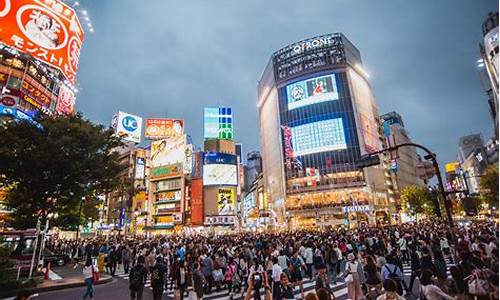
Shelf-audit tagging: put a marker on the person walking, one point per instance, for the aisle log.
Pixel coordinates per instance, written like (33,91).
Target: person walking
(198,281)
(126,258)
(158,278)
(276,277)
(428,291)
(88,275)
(181,280)
(137,279)
(352,278)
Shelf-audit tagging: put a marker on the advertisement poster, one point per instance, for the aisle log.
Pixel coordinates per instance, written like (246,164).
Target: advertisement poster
(188,159)
(129,127)
(326,135)
(168,151)
(47,30)
(225,201)
(369,130)
(220,175)
(140,167)
(157,128)
(167,171)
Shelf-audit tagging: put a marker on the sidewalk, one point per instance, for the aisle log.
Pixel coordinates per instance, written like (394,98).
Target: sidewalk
(60,284)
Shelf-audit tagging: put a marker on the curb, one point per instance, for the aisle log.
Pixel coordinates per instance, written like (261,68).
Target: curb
(103,280)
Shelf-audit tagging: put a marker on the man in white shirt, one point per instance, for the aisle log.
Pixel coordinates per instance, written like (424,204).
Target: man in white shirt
(308,257)
(276,275)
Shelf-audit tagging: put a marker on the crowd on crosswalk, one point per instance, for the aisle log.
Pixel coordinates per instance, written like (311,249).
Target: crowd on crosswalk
(373,262)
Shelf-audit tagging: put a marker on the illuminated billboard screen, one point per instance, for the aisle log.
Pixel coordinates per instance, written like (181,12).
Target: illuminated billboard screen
(158,128)
(311,91)
(129,127)
(219,158)
(326,135)
(47,30)
(218,174)
(218,123)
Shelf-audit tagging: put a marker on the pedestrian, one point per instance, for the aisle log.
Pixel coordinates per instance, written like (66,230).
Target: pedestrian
(207,265)
(352,278)
(390,291)
(126,258)
(198,281)
(391,271)
(158,278)
(428,291)
(88,275)
(137,279)
(322,279)
(296,267)
(276,277)
(181,280)
(373,277)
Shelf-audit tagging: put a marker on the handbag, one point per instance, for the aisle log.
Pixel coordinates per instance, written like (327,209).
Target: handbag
(478,285)
(349,278)
(95,276)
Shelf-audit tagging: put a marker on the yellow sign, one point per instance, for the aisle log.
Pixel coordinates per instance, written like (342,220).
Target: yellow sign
(451,167)
(225,201)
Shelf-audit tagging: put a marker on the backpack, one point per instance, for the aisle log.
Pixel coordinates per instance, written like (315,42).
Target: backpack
(392,274)
(136,278)
(155,275)
(333,257)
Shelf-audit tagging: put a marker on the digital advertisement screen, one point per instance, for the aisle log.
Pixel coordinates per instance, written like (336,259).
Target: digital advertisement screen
(217,174)
(311,91)
(219,158)
(326,135)
(158,128)
(218,123)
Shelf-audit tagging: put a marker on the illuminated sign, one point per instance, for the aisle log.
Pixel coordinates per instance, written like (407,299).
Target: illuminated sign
(188,159)
(218,123)
(129,127)
(140,166)
(65,101)
(162,128)
(225,201)
(47,30)
(168,151)
(451,167)
(312,44)
(357,208)
(219,158)
(248,203)
(216,174)
(166,171)
(311,91)
(326,135)
(220,220)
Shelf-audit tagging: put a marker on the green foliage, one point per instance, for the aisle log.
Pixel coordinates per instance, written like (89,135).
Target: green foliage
(50,170)
(489,185)
(5,264)
(417,199)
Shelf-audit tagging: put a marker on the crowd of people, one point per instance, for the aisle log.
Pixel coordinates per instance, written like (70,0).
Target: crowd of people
(369,261)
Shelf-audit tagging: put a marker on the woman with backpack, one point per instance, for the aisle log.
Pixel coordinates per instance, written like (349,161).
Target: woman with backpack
(391,271)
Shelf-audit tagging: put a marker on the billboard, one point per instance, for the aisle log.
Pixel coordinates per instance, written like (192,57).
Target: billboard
(216,174)
(65,101)
(168,151)
(368,130)
(157,128)
(166,171)
(219,158)
(188,159)
(218,123)
(225,201)
(197,201)
(311,91)
(129,127)
(320,136)
(140,168)
(47,30)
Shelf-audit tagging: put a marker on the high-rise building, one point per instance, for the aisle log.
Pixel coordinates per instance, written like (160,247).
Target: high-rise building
(489,75)
(252,168)
(317,117)
(404,161)
(468,144)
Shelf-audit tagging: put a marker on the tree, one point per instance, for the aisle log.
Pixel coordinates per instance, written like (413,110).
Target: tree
(51,168)
(417,199)
(489,184)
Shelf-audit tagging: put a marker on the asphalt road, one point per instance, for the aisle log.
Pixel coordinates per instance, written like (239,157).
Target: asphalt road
(118,289)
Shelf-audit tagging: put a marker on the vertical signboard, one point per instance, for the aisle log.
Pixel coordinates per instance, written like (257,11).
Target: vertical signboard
(197,201)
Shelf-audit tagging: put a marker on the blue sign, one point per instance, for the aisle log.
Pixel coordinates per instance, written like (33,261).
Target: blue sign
(129,123)
(10,111)
(219,158)
(122,217)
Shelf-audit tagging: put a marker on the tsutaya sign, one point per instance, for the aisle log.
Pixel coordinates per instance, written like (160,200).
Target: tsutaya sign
(360,208)
(312,43)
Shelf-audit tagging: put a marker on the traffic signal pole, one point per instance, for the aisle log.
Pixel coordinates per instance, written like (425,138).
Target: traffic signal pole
(430,155)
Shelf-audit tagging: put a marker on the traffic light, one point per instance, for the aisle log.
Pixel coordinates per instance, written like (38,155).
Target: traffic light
(368,160)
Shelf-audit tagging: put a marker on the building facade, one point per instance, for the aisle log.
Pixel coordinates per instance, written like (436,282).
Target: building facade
(405,160)
(317,117)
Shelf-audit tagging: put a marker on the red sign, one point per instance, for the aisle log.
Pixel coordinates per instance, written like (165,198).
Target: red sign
(65,101)
(197,201)
(48,30)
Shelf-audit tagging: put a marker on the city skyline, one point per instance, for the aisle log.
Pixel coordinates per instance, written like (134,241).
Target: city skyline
(431,70)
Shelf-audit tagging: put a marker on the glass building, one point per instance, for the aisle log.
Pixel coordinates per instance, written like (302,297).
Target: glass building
(318,116)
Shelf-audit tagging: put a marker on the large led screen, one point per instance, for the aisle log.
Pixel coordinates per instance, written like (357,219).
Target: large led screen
(326,135)
(218,123)
(217,174)
(311,91)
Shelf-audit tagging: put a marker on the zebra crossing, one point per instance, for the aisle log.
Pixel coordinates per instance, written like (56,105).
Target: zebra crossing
(339,289)
(407,267)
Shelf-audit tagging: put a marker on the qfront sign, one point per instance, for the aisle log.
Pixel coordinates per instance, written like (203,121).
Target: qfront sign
(312,44)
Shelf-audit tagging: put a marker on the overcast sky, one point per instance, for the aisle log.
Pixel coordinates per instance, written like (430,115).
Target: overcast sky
(163,58)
